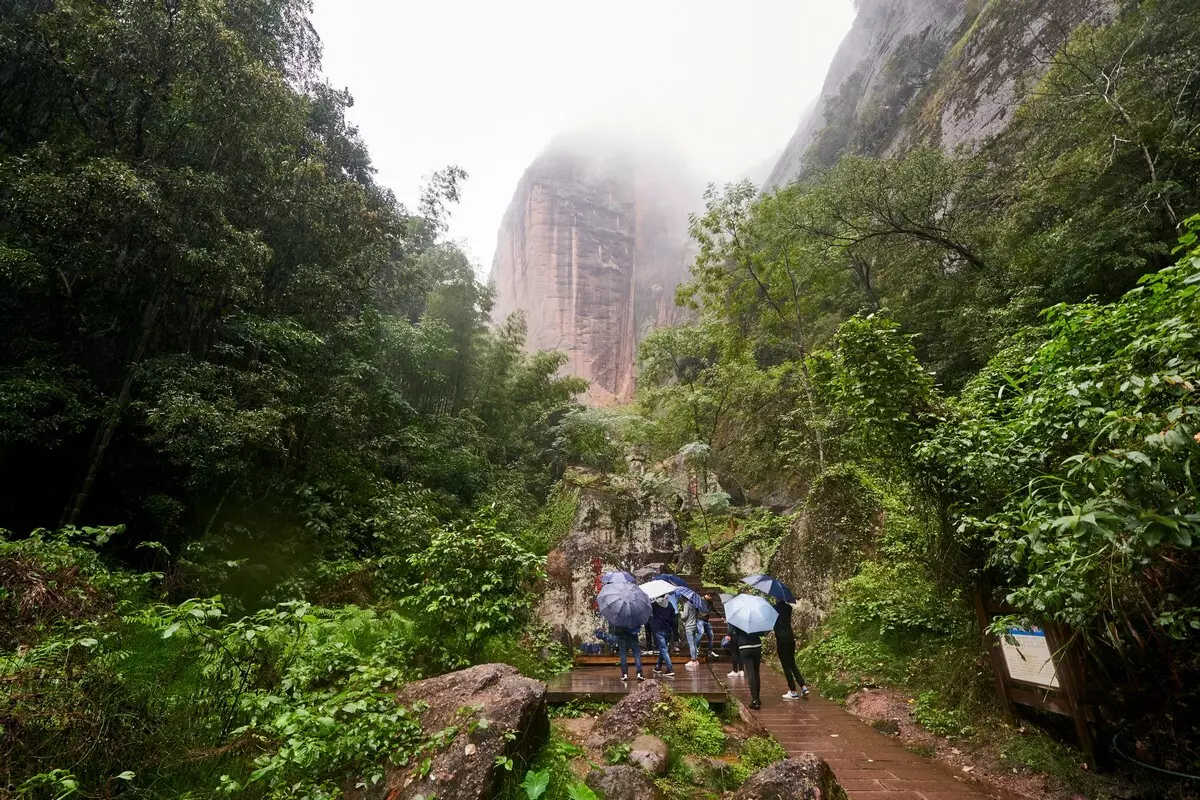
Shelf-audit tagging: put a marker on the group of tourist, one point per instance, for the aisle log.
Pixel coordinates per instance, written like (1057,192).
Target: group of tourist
(745,647)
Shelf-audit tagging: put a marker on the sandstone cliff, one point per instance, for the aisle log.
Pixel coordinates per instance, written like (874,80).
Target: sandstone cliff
(946,73)
(590,251)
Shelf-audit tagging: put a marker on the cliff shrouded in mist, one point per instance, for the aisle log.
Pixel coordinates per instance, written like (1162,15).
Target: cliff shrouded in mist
(939,72)
(590,251)
(595,239)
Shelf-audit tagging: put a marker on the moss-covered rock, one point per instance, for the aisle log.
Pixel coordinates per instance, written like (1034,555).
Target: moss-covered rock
(837,529)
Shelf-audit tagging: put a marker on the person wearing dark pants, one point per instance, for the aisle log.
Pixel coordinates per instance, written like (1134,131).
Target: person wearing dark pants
(785,643)
(662,622)
(751,649)
(704,625)
(733,641)
(627,639)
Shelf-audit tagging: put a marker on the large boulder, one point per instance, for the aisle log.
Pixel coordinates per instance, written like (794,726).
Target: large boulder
(650,753)
(627,719)
(622,783)
(805,777)
(707,771)
(825,545)
(465,767)
(616,527)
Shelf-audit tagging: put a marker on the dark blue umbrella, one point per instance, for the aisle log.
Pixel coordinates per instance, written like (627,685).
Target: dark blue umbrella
(692,597)
(675,579)
(620,576)
(624,605)
(771,587)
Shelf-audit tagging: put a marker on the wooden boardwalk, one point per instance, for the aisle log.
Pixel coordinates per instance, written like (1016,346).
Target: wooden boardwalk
(604,683)
(868,764)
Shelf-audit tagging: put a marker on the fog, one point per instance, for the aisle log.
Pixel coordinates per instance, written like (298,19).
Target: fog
(487,85)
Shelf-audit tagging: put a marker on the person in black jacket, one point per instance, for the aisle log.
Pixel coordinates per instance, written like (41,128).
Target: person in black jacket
(662,623)
(751,651)
(785,643)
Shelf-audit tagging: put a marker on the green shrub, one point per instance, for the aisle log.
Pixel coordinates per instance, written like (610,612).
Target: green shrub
(755,753)
(900,597)
(761,751)
(762,529)
(689,726)
(944,722)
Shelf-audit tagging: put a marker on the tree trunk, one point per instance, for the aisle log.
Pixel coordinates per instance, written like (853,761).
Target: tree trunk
(112,417)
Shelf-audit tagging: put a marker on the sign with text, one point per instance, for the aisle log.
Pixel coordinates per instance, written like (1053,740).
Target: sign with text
(1027,657)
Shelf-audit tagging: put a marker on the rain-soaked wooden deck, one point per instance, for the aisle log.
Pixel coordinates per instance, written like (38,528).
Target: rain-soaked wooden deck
(605,684)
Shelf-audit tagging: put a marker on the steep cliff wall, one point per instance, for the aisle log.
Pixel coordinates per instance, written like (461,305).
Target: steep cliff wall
(945,73)
(590,250)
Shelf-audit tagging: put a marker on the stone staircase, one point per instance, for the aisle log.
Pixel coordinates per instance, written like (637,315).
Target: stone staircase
(718,619)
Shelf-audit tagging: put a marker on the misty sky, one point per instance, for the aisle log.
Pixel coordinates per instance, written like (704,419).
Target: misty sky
(486,84)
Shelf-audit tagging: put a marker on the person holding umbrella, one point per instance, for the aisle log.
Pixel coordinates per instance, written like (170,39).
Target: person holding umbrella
(688,615)
(785,640)
(662,623)
(626,607)
(704,623)
(752,615)
(785,643)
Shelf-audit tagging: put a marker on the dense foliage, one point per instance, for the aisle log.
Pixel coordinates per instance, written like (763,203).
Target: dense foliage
(216,327)
(219,331)
(1002,342)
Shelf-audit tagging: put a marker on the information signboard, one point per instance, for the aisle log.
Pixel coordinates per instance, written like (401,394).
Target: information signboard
(1027,657)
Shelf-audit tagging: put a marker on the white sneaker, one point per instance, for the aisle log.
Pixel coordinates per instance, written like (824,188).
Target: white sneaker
(790,696)
(691,665)
(734,674)
(741,673)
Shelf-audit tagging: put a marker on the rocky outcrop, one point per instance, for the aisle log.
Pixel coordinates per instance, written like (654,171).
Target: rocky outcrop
(946,73)
(465,767)
(622,782)
(805,777)
(590,251)
(825,544)
(628,718)
(649,753)
(616,527)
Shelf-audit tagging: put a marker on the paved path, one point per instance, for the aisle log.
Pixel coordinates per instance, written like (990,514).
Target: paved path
(868,764)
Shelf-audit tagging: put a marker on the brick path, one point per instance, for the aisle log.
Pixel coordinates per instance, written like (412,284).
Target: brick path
(868,764)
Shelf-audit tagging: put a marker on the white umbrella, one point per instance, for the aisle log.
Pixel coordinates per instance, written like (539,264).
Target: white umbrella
(750,613)
(657,588)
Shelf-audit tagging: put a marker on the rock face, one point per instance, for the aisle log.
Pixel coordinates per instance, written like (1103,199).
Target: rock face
(622,783)
(590,251)
(805,777)
(616,527)
(825,545)
(629,717)
(465,768)
(649,753)
(944,73)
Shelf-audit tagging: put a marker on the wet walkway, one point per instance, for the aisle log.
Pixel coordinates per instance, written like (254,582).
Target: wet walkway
(868,764)
(604,683)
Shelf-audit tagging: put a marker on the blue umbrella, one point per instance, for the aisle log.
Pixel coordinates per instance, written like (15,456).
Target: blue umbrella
(619,576)
(675,579)
(624,605)
(692,597)
(750,613)
(772,587)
